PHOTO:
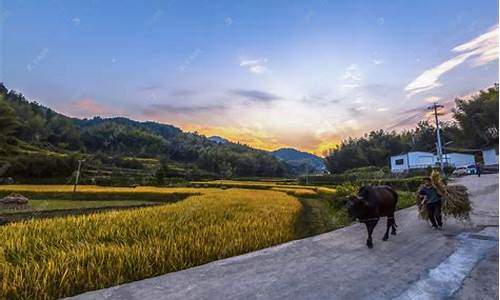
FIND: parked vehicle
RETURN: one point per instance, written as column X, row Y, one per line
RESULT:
column 465, row 170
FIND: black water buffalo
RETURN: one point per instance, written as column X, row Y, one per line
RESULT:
column 371, row 203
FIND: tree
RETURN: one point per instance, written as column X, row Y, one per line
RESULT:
column 478, row 118
column 8, row 120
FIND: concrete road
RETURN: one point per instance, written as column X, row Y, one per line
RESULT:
column 460, row 262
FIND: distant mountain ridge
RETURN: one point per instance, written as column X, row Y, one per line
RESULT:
column 30, row 131
column 300, row 162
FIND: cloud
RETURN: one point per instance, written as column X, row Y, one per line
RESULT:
column 352, row 76
column 75, row 21
column 409, row 121
column 377, row 61
column 155, row 18
column 156, row 109
column 482, row 50
column 410, row 117
column 255, row 66
column 310, row 14
column 431, row 99
column 255, row 95
column 149, row 88
column 88, row 106
column 228, row 21
column 382, row 109
column 380, row 21
column 181, row 92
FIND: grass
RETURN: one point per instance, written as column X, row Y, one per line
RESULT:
column 405, row 199
column 52, row 258
column 38, row 205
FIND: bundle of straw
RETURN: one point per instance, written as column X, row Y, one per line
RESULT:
column 455, row 200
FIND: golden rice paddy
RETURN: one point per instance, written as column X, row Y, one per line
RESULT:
column 52, row 258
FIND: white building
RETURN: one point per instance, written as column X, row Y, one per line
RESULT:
column 421, row 160
column 457, row 159
column 490, row 157
column 411, row 160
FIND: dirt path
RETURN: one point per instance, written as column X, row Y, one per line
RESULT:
column 418, row 263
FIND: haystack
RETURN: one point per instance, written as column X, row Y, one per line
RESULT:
column 455, row 200
column 13, row 200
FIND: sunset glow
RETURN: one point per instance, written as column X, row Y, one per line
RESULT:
column 305, row 75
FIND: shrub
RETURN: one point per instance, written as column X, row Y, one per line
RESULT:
column 345, row 190
column 41, row 168
column 405, row 184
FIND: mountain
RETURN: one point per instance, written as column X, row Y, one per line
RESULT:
column 218, row 139
column 39, row 143
column 299, row 162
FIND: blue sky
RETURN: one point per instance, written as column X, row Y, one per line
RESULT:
column 302, row 74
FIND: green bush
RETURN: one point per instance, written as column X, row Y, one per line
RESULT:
column 362, row 169
column 405, row 184
column 406, row 199
column 41, row 168
column 345, row 190
column 352, row 175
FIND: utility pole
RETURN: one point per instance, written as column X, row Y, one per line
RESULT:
column 77, row 174
column 307, row 174
column 439, row 148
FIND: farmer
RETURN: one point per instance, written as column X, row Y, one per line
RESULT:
column 432, row 201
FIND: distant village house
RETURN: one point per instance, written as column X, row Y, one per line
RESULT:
column 421, row 160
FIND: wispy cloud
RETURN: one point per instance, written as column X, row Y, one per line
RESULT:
column 76, row 21
column 255, row 95
column 155, row 18
column 352, row 76
column 310, row 14
column 482, row 50
column 149, row 88
column 255, row 66
column 156, row 109
column 377, row 61
column 88, row 106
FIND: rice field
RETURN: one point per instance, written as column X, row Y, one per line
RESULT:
column 67, row 188
column 93, row 192
column 41, row 205
column 263, row 185
column 52, row 258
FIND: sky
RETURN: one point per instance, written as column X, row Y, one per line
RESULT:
column 271, row 74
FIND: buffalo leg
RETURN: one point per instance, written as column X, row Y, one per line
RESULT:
column 393, row 232
column 389, row 225
column 370, row 225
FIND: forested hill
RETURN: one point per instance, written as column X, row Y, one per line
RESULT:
column 39, row 142
column 301, row 162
